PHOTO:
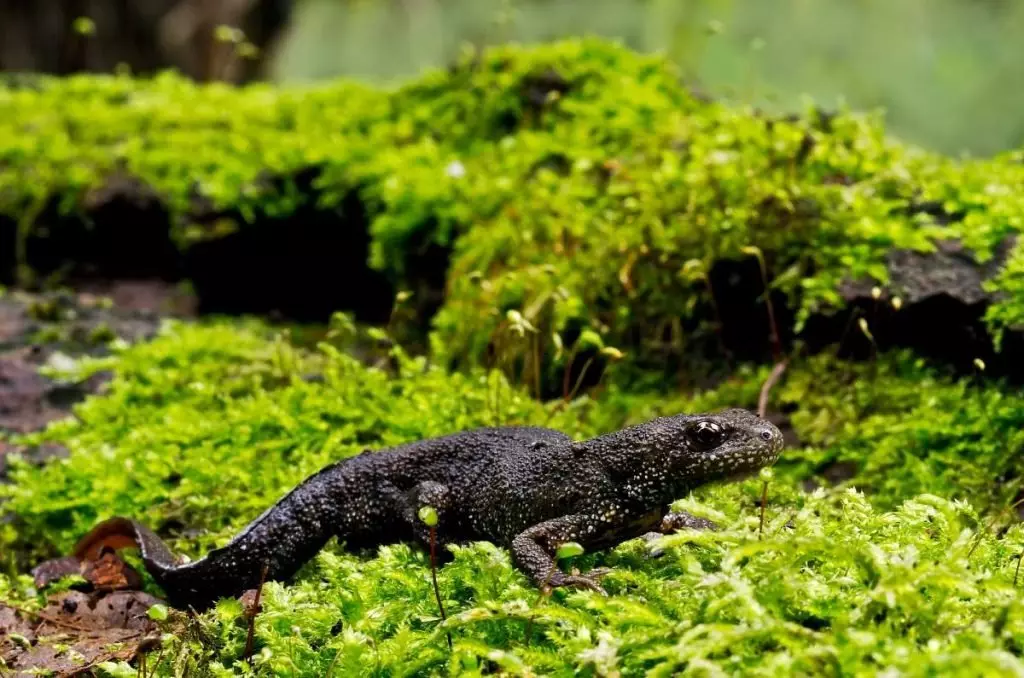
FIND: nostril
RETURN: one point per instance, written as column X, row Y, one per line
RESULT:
column 766, row 435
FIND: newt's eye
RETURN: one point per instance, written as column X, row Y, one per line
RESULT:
column 707, row 434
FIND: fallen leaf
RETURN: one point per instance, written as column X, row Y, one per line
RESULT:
column 76, row 631
column 107, row 572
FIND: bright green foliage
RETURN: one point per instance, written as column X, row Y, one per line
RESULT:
column 620, row 237
column 206, row 426
column 1008, row 312
column 572, row 180
column 185, row 142
column 428, row 514
column 904, row 431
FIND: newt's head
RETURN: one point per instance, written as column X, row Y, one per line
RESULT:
column 691, row 450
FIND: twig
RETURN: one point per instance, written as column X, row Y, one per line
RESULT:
column 773, row 327
column 769, row 383
column 536, row 367
column 579, row 379
column 159, row 659
column 1017, row 573
column 433, row 575
column 567, row 374
column 569, row 395
column 142, row 652
column 250, row 635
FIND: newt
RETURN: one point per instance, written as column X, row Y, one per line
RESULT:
column 529, row 489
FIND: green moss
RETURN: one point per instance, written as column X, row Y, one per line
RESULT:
column 583, row 224
column 214, row 142
column 205, row 426
column 572, row 180
column 625, row 251
column 1008, row 312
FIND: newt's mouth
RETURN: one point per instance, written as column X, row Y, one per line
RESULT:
column 746, row 472
column 737, row 476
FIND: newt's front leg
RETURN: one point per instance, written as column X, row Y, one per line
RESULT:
column 533, row 550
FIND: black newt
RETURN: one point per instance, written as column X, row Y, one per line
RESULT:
column 529, row 489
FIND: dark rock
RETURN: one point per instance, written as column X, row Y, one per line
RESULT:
column 950, row 271
column 940, row 315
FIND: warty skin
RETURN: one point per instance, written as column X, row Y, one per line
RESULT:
column 525, row 488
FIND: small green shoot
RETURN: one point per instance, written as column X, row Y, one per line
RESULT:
column 428, row 516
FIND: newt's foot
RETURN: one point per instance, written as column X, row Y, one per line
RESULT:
column 654, row 549
column 671, row 523
column 590, row 580
column 679, row 521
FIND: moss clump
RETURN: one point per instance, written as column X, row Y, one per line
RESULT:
column 630, row 241
column 205, row 426
column 846, row 590
column 65, row 137
column 1008, row 312
column 577, row 183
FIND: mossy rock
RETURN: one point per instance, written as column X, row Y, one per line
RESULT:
column 578, row 184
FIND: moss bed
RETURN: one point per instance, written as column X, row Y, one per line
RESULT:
column 578, row 184
column 909, row 565
column 565, row 221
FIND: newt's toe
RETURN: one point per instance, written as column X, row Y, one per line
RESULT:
column 590, row 581
column 654, row 549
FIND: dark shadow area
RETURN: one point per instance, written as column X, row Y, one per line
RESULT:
column 302, row 267
column 941, row 328
column 746, row 328
column 8, row 247
column 123, row 232
column 425, row 272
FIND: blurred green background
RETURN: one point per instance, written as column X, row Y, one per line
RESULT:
column 948, row 73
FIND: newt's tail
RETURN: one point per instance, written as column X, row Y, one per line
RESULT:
column 272, row 547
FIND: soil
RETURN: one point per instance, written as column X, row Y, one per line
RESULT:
column 76, row 631
column 38, row 328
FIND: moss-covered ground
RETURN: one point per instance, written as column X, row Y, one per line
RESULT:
column 584, row 195
column 909, row 566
